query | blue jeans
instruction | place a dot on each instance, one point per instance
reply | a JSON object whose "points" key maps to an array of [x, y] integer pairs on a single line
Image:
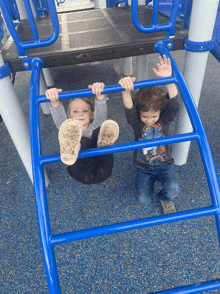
{"points": [[146, 178]]}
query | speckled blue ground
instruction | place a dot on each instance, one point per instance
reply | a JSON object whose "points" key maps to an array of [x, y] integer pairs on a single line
{"points": [[139, 261]]}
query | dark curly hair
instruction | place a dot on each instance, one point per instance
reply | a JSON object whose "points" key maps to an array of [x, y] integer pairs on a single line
{"points": [[150, 98], [84, 99]]}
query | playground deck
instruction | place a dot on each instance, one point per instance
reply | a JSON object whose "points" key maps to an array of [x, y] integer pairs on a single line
{"points": [[92, 35], [139, 261]]}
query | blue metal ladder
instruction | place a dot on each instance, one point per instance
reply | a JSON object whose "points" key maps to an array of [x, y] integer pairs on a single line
{"points": [[48, 240], [38, 160]]}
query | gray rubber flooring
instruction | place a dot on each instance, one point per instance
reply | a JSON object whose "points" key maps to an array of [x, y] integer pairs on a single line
{"points": [[139, 261]]}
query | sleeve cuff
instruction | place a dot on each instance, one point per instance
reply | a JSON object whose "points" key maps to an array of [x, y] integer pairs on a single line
{"points": [[103, 101]]}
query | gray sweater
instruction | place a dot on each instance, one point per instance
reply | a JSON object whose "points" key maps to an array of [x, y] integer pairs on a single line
{"points": [[59, 116]]}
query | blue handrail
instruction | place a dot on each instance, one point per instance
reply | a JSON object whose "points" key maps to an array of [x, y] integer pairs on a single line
{"points": [[169, 27], [22, 46], [41, 7], [38, 161], [13, 9]]}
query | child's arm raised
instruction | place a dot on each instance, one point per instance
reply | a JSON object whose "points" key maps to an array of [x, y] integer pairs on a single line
{"points": [[128, 84], [97, 89], [100, 104], [164, 70], [53, 95], [58, 113]]}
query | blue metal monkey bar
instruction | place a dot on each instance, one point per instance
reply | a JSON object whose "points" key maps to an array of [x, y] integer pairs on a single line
{"points": [[38, 161]]}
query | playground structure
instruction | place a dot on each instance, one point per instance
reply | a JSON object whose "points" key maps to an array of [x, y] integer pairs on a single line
{"points": [[35, 65]]}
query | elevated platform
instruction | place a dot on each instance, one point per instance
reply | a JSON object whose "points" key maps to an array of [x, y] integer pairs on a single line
{"points": [[93, 35]]}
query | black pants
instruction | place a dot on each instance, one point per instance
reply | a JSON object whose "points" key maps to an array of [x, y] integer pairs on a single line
{"points": [[91, 170]]}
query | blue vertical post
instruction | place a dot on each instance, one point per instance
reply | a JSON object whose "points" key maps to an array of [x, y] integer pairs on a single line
{"points": [[40, 191]]}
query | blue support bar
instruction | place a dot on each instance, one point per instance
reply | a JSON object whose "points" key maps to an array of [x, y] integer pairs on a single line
{"points": [[40, 190], [125, 147], [22, 46], [5, 70], [170, 27], [155, 12], [31, 20], [202, 288], [38, 161], [132, 225], [41, 7], [13, 10], [184, 10]]}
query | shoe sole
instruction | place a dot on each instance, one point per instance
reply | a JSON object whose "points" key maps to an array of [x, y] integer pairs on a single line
{"points": [[69, 136], [108, 133], [168, 207]]}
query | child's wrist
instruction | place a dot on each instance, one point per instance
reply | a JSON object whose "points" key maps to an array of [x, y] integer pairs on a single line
{"points": [[55, 103], [126, 94], [100, 97]]}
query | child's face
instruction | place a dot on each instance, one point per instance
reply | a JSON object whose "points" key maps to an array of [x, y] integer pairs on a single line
{"points": [[81, 111], [149, 118]]}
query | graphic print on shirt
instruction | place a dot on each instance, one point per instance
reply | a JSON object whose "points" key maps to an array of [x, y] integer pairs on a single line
{"points": [[152, 155]]}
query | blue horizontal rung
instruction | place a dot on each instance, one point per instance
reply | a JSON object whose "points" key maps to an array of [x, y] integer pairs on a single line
{"points": [[126, 147], [111, 89], [193, 289], [132, 225]]}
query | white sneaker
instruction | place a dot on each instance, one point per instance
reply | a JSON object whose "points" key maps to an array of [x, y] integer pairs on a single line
{"points": [[69, 136], [108, 133]]}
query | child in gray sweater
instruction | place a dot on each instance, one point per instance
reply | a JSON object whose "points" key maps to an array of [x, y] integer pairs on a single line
{"points": [[84, 127]]}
